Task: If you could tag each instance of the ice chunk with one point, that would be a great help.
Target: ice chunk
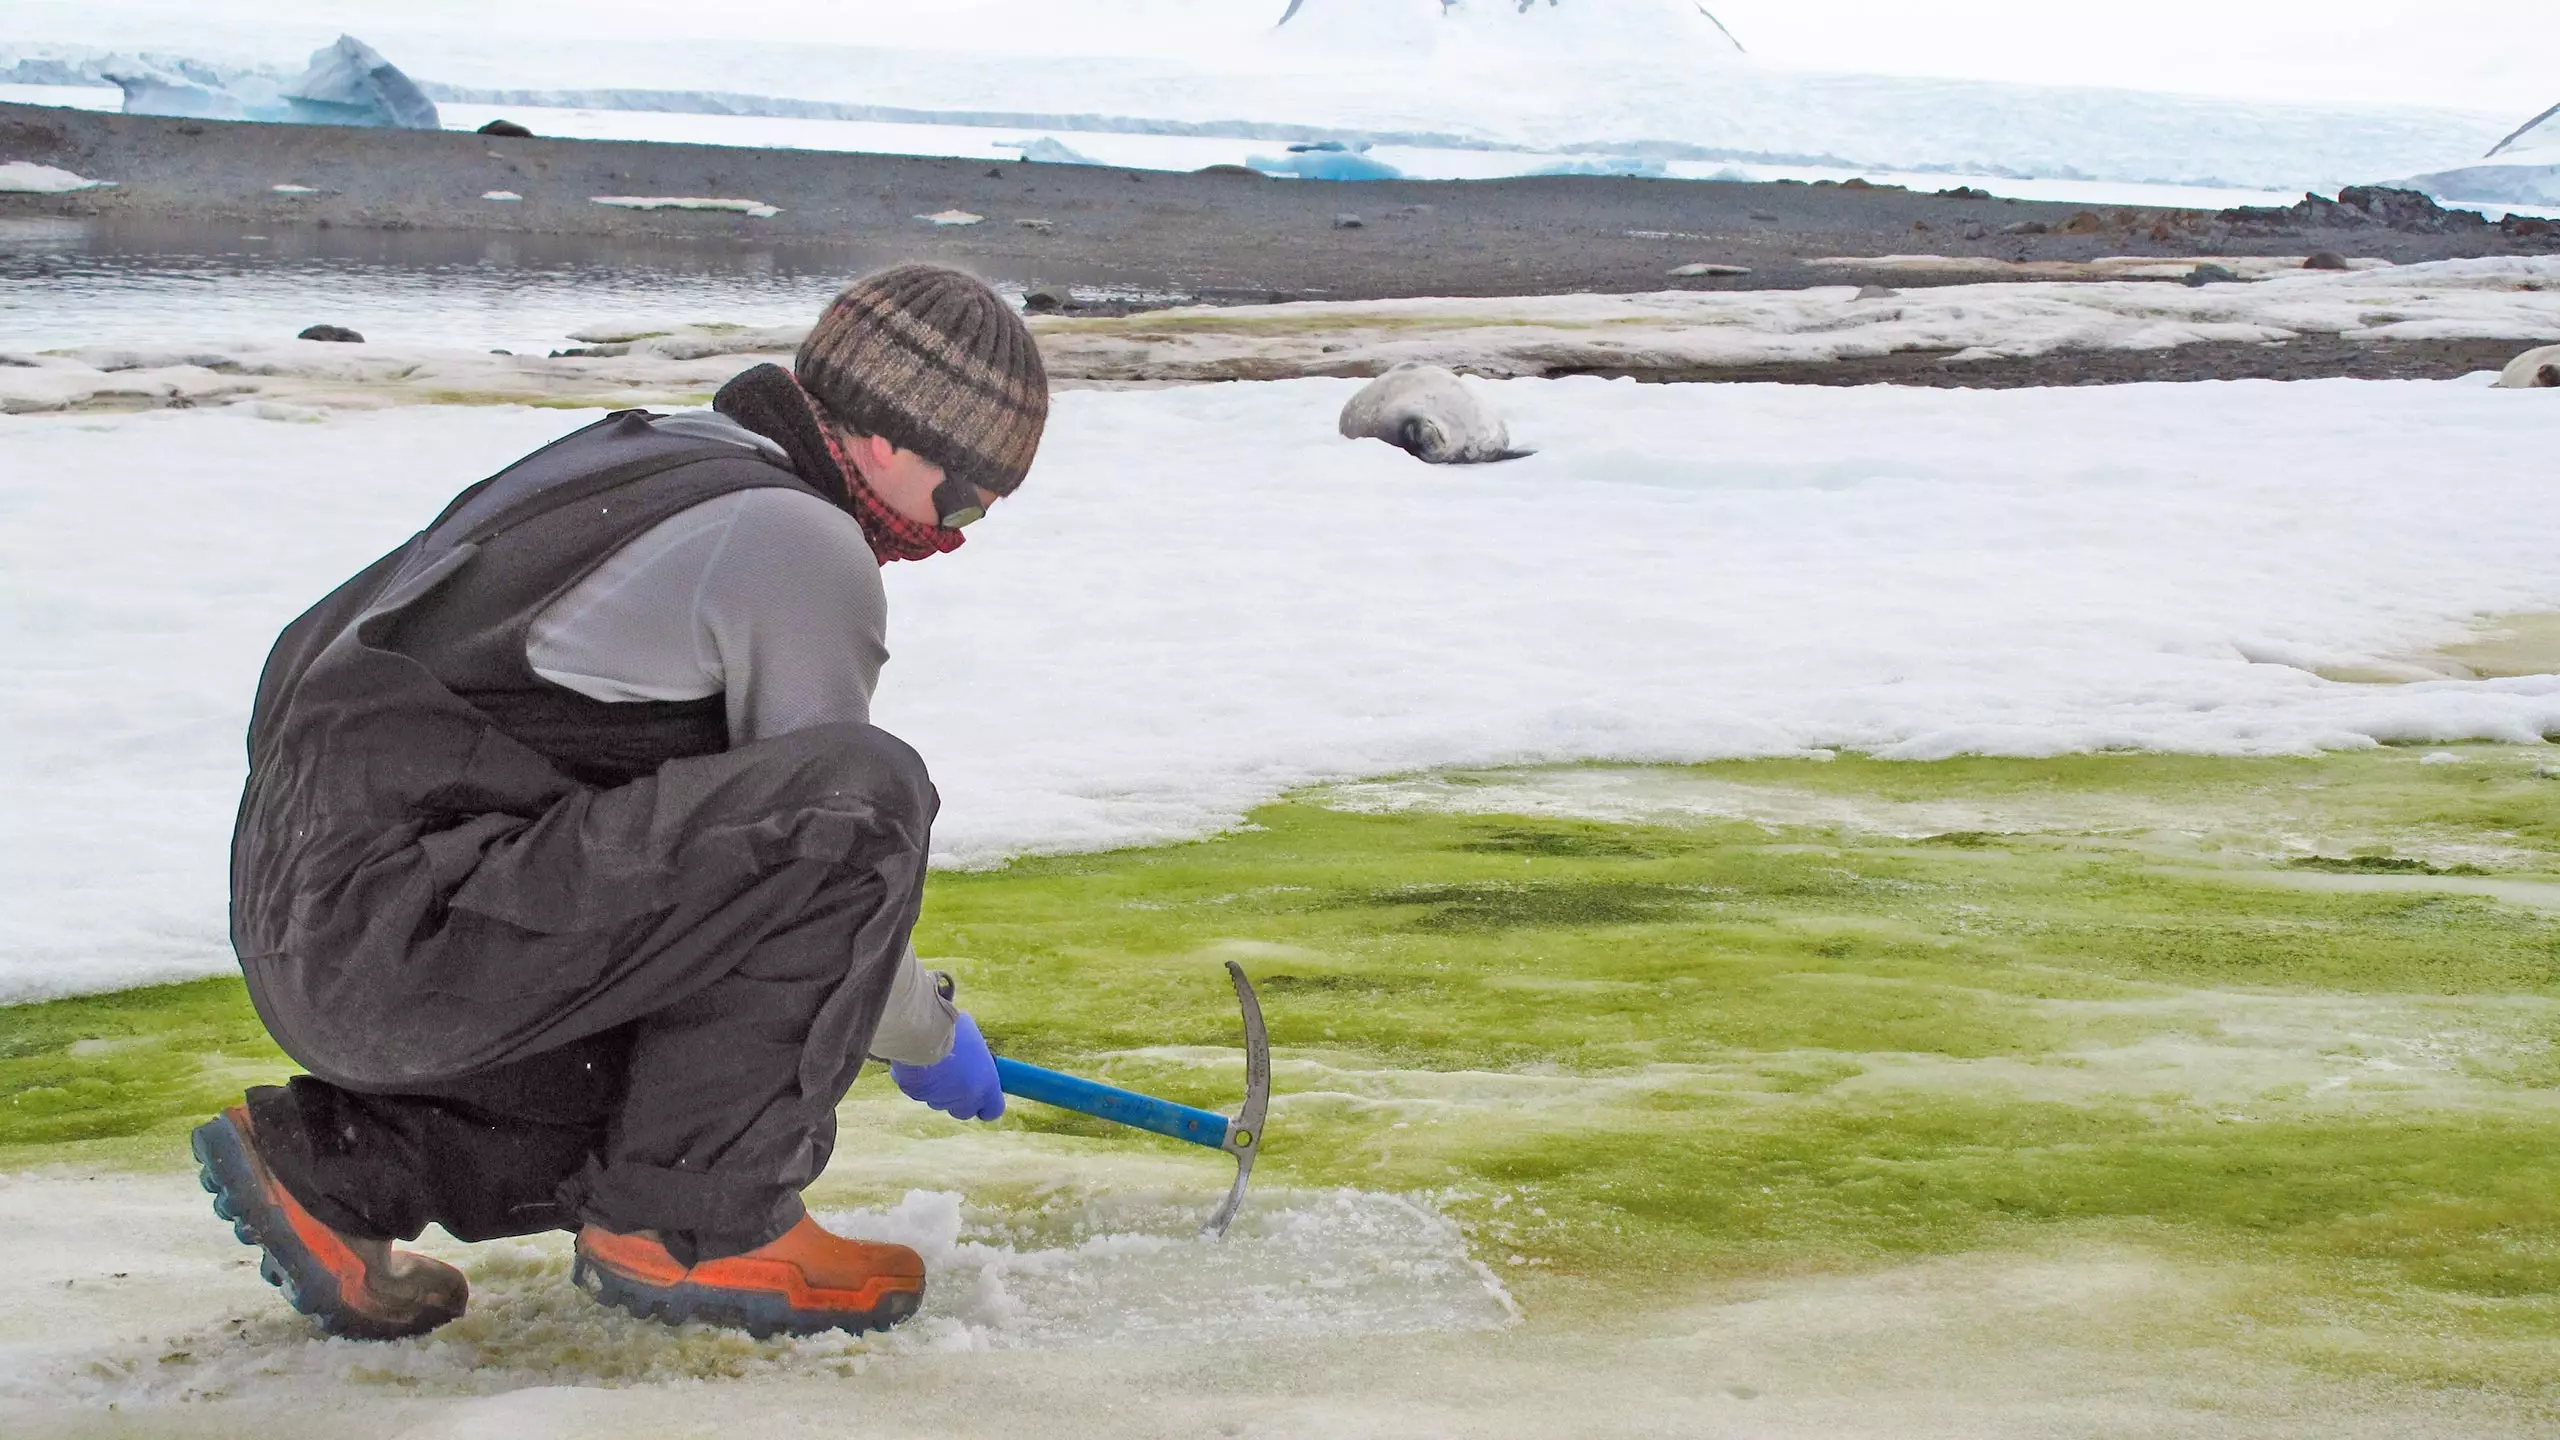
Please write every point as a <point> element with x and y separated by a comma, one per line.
<point>1317,163</point>
<point>349,83</point>
<point>756,208</point>
<point>192,89</point>
<point>149,91</point>
<point>1047,151</point>
<point>179,87</point>
<point>1647,169</point>
<point>25,177</point>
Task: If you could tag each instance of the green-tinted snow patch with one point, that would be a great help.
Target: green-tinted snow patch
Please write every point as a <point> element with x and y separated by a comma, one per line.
<point>1795,1017</point>
<point>121,1077</point>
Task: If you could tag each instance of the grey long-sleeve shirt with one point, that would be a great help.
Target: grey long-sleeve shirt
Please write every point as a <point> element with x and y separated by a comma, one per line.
<point>770,598</point>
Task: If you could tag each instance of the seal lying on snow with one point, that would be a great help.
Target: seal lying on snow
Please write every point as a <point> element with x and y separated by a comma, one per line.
<point>1430,414</point>
<point>2533,370</point>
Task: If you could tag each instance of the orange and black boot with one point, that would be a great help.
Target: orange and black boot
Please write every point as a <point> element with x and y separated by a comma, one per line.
<point>362,1289</point>
<point>805,1282</point>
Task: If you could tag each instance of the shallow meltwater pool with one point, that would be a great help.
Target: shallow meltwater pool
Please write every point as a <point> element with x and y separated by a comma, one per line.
<point>72,282</point>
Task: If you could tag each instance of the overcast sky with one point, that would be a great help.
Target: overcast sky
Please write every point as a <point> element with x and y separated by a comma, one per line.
<point>2465,54</point>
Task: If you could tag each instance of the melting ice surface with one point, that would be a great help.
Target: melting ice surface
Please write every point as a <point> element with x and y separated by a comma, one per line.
<point>1098,1272</point>
<point>1314,1266</point>
<point>65,283</point>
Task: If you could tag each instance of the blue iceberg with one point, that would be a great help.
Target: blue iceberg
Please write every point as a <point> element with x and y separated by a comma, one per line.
<point>191,92</point>
<point>1327,160</point>
<point>348,83</point>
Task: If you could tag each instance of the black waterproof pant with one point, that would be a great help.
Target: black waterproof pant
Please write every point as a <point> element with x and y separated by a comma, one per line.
<point>650,1027</point>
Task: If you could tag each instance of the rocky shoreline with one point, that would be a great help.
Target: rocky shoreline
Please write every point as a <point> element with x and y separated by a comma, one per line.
<point>1218,236</point>
<point>2380,322</point>
<point>1226,237</point>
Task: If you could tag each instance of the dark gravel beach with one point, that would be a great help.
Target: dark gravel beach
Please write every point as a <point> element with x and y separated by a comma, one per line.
<point>1217,237</point>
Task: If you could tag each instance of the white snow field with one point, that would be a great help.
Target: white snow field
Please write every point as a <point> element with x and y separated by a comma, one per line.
<point>1205,597</point>
<point>1632,78</point>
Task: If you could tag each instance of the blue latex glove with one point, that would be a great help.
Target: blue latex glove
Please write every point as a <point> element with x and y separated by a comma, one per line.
<point>961,1084</point>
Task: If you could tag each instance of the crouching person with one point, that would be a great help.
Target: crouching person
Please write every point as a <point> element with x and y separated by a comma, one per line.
<point>572,869</point>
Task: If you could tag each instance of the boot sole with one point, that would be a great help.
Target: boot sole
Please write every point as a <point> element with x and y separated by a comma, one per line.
<point>230,1176</point>
<point>760,1314</point>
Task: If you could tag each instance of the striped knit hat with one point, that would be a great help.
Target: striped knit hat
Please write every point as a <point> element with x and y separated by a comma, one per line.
<point>932,361</point>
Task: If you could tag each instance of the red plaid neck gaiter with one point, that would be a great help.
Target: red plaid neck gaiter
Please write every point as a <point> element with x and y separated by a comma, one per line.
<point>893,536</point>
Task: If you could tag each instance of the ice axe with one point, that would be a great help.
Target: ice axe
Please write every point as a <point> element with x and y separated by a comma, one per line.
<point>1239,1137</point>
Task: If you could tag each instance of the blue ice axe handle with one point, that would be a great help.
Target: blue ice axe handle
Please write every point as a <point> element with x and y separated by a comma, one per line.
<point>1240,1137</point>
<point>1110,1102</point>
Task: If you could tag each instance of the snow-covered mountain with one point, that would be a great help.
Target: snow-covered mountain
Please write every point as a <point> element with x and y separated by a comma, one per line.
<point>2540,132</point>
<point>2523,169</point>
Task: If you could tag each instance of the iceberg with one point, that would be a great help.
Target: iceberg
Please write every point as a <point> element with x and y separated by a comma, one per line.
<point>349,83</point>
<point>25,177</point>
<point>190,91</point>
<point>156,92</point>
<point>1048,151</point>
<point>1327,160</point>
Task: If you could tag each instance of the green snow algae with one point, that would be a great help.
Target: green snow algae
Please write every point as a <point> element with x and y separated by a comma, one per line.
<point>1786,1018</point>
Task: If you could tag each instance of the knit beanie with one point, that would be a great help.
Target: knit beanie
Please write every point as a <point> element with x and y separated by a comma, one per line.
<point>931,360</point>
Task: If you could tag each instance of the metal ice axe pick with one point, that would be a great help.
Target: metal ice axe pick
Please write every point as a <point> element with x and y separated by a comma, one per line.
<point>1240,1137</point>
